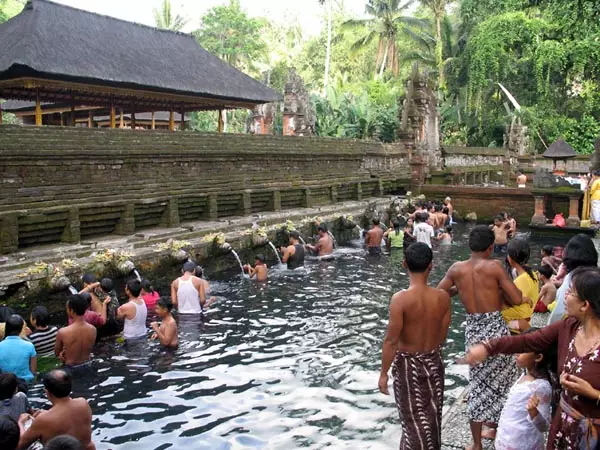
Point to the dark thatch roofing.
(50, 40)
(159, 116)
(560, 150)
(14, 106)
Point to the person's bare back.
(74, 343)
(501, 234)
(548, 293)
(374, 237)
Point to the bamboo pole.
(38, 109)
(153, 121)
(112, 115)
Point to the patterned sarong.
(490, 381)
(419, 393)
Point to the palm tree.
(164, 18)
(438, 9)
(386, 24)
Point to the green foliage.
(164, 18)
(10, 8)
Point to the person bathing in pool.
(260, 271)
(166, 331)
(324, 246)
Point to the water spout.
(301, 240)
(137, 274)
(72, 290)
(237, 257)
(275, 251)
(360, 231)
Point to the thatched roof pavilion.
(59, 54)
(560, 151)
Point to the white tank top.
(136, 327)
(188, 299)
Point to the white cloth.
(596, 210)
(188, 298)
(561, 296)
(516, 429)
(136, 327)
(423, 232)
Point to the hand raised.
(476, 355)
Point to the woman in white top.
(187, 291)
(134, 311)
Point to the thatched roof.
(560, 150)
(52, 41)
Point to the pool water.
(291, 364)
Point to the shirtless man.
(166, 332)
(293, 254)
(71, 416)
(418, 326)
(74, 343)
(373, 238)
(484, 287)
(324, 246)
(522, 180)
(501, 229)
(260, 271)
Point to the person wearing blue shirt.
(17, 355)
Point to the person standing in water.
(166, 331)
(483, 286)
(395, 236)
(324, 246)
(374, 237)
(134, 311)
(423, 232)
(260, 271)
(418, 326)
(187, 291)
(293, 254)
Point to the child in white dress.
(527, 413)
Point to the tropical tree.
(386, 24)
(438, 9)
(164, 18)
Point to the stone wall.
(462, 157)
(576, 166)
(70, 184)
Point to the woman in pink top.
(149, 295)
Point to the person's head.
(133, 288)
(583, 298)
(259, 259)
(88, 278)
(5, 313)
(9, 433)
(420, 217)
(448, 229)
(14, 325)
(580, 252)
(499, 220)
(164, 306)
(199, 272)
(518, 252)
(106, 284)
(88, 298)
(396, 224)
(545, 272)
(57, 384)
(189, 267)
(445, 210)
(418, 258)
(547, 250)
(410, 222)
(77, 305)
(294, 237)
(541, 364)
(375, 222)
(8, 385)
(596, 173)
(447, 200)
(322, 229)
(39, 317)
(147, 287)
(63, 442)
(481, 240)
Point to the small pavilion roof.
(72, 47)
(560, 150)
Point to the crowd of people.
(552, 386)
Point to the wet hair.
(260, 257)
(89, 278)
(199, 272)
(597, 172)
(147, 286)
(5, 313)
(481, 238)
(322, 227)
(396, 225)
(165, 303)
(446, 210)
(499, 217)
(41, 316)
(189, 266)
(63, 442)
(58, 383)
(547, 250)
(580, 252)
(421, 217)
(14, 325)
(586, 282)
(106, 285)
(447, 199)
(8, 385)
(376, 221)
(418, 257)
(78, 304)
(520, 251)
(9, 433)
(135, 287)
(448, 229)
(549, 363)
(546, 271)
(88, 298)
(294, 235)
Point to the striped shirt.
(44, 341)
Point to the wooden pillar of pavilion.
(113, 122)
(90, 119)
(182, 124)
(0, 113)
(153, 121)
(171, 119)
(72, 114)
(38, 109)
(132, 117)
(121, 122)
(221, 122)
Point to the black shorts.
(374, 251)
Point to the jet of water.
(238, 260)
(72, 290)
(137, 274)
(301, 240)
(274, 251)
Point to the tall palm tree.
(438, 9)
(386, 24)
(165, 19)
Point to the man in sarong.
(418, 326)
(484, 288)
